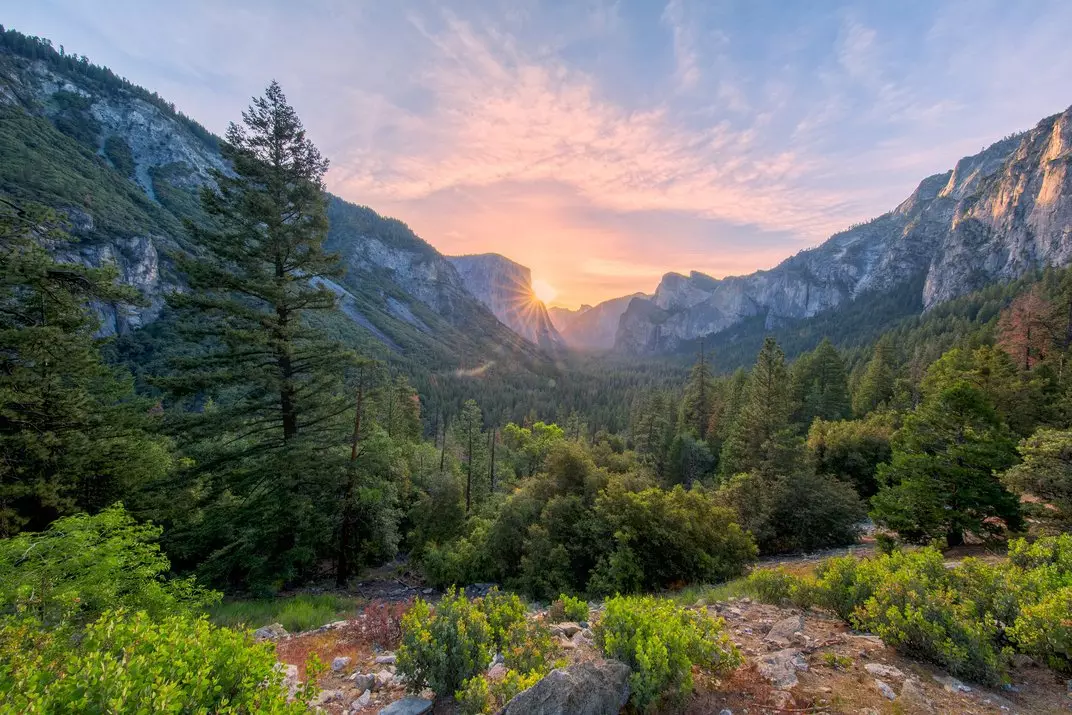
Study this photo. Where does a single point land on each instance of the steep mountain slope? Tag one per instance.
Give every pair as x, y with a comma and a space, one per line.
994, 216
125, 168
592, 327
505, 288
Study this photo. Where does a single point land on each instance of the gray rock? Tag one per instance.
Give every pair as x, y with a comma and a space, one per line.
783, 632
880, 670
329, 696
566, 629
408, 706
341, 663
952, 684
884, 688
780, 668
270, 633
363, 701
290, 677
385, 659
590, 688
363, 681
384, 678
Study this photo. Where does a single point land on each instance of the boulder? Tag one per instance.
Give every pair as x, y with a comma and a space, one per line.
565, 629
329, 696
363, 681
887, 692
270, 633
363, 701
593, 688
340, 664
881, 670
385, 659
290, 677
952, 684
780, 667
384, 678
783, 632
408, 706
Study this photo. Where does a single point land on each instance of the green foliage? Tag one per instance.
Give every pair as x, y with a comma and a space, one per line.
84, 565
662, 643
568, 608
781, 588
443, 649
754, 441
1046, 473
1044, 629
837, 662
72, 436
851, 450
940, 482
876, 386
118, 152
134, 664
295, 613
449, 649
663, 537
820, 386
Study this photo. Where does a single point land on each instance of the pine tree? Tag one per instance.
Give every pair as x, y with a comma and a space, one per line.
820, 386
1027, 330
470, 435
72, 435
757, 439
878, 381
941, 481
269, 454
696, 407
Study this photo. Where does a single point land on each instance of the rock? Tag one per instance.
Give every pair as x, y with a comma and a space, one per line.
270, 633
341, 663
592, 688
1020, 660
578, 639
567, 644
880, 670
408, 706
884, 688
725, 711
290, 677
780, 699
385, 659
914, 698
783, 632
780, 668
565, 629
384, 678
363, 681
587, 633
329, 696
497, 672
363, 701
952, 684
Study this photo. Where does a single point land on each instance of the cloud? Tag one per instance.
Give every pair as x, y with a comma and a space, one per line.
687, 72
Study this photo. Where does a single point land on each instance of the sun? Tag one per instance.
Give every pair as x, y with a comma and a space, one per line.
544, 290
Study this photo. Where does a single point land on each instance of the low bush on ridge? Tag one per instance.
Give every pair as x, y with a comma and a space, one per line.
662, 642
968, 619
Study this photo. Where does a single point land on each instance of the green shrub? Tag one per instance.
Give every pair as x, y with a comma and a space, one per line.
661, 643
836, 662
447, 648
131, 664
1044, 630
886, 543
781, 588
568, 608
442, 650
83, 565
479, 695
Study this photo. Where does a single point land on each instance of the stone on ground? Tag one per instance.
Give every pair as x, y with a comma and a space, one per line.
271, 632
340, 663
783, 632
593, 688
914, 700
780, 667
408, 706
880, 670
887, 692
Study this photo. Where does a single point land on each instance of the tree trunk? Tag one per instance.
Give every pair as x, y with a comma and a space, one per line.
342, 572
469, 473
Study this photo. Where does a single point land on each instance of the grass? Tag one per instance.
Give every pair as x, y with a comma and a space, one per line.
296, 613
710, 594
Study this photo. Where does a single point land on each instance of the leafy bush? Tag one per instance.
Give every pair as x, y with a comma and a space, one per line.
131, 664
567, 608
662, 643
481, 695
1044, 630
442, 650
779, 587
83, 565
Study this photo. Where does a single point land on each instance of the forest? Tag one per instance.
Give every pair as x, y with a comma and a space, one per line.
257, 453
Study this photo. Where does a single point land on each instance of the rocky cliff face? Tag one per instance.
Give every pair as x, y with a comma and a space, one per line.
125, 169
592, 327
505, 288
992, 217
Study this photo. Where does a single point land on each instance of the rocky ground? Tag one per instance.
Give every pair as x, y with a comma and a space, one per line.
795, 662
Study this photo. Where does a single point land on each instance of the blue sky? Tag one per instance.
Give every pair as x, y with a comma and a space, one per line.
604, 143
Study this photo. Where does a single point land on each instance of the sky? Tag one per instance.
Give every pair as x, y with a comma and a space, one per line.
604, 143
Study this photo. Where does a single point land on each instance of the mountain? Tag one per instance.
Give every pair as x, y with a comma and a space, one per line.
125, 168
592, 327
505, 288
994, 216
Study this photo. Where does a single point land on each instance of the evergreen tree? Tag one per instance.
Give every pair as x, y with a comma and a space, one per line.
653, 430
269, 453
877, 384
72, 436
758, 438
1046, 473
696, 407
820, 386
469, 434
941, 481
